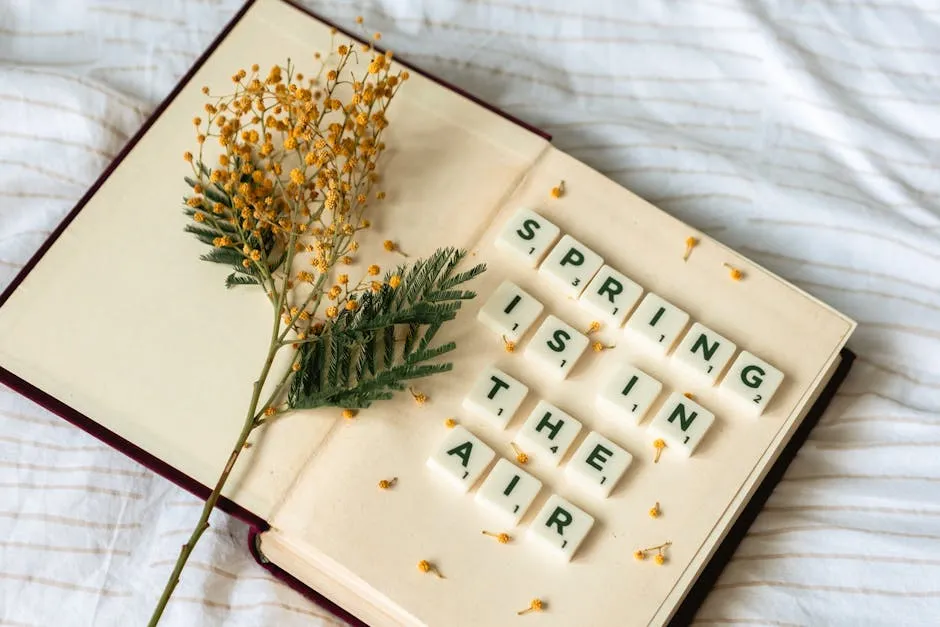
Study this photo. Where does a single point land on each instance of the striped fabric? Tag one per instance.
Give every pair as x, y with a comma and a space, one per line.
802, 132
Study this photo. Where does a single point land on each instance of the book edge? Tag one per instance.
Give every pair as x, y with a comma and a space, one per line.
295, 584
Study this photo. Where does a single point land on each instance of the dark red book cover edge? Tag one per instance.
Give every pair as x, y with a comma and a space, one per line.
88, 424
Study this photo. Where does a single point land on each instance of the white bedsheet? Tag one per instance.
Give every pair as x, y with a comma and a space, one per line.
803, 133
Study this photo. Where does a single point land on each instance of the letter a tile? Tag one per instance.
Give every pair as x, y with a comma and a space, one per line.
461, 458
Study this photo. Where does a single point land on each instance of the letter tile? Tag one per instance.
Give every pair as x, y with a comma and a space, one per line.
510, 311
547, 433
461, 458
752, 380
657, 321
570, 266
628, 395
508, 491
682, 423
704, 352
560, 527
527, 236
556, 346
612, 295
496, 396
597, 465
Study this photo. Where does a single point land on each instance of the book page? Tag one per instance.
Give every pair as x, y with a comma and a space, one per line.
121, 320
337, 521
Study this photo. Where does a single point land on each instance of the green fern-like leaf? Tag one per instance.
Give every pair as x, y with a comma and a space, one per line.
235, 279
357, 360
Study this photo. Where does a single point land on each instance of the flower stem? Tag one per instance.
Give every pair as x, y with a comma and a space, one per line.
203, 523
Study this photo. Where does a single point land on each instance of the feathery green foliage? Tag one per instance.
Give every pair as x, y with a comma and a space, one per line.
357, 359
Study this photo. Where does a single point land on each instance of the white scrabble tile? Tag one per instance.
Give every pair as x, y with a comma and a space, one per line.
657, 321
495, 396
560, 527
556, 346
682, 423
705, 352
628, 394
527, 236
510, 311
461, 458
612, 295
752, 380
570, 266
547, 433
597, 465
508, 491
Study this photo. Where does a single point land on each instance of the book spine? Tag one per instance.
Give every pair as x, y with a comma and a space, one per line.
254, 547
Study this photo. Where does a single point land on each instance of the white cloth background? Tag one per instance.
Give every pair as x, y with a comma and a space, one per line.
803, 133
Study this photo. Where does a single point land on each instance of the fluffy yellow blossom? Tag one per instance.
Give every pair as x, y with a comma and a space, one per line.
536, 605
420, 398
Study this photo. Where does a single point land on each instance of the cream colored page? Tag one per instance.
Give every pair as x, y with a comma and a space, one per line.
374, 537
121, 321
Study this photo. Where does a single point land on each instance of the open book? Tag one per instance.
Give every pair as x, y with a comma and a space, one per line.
157, 359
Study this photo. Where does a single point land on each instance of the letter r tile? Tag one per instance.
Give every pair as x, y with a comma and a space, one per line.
560, 527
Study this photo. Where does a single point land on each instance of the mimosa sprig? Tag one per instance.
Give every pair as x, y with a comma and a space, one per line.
282, 204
